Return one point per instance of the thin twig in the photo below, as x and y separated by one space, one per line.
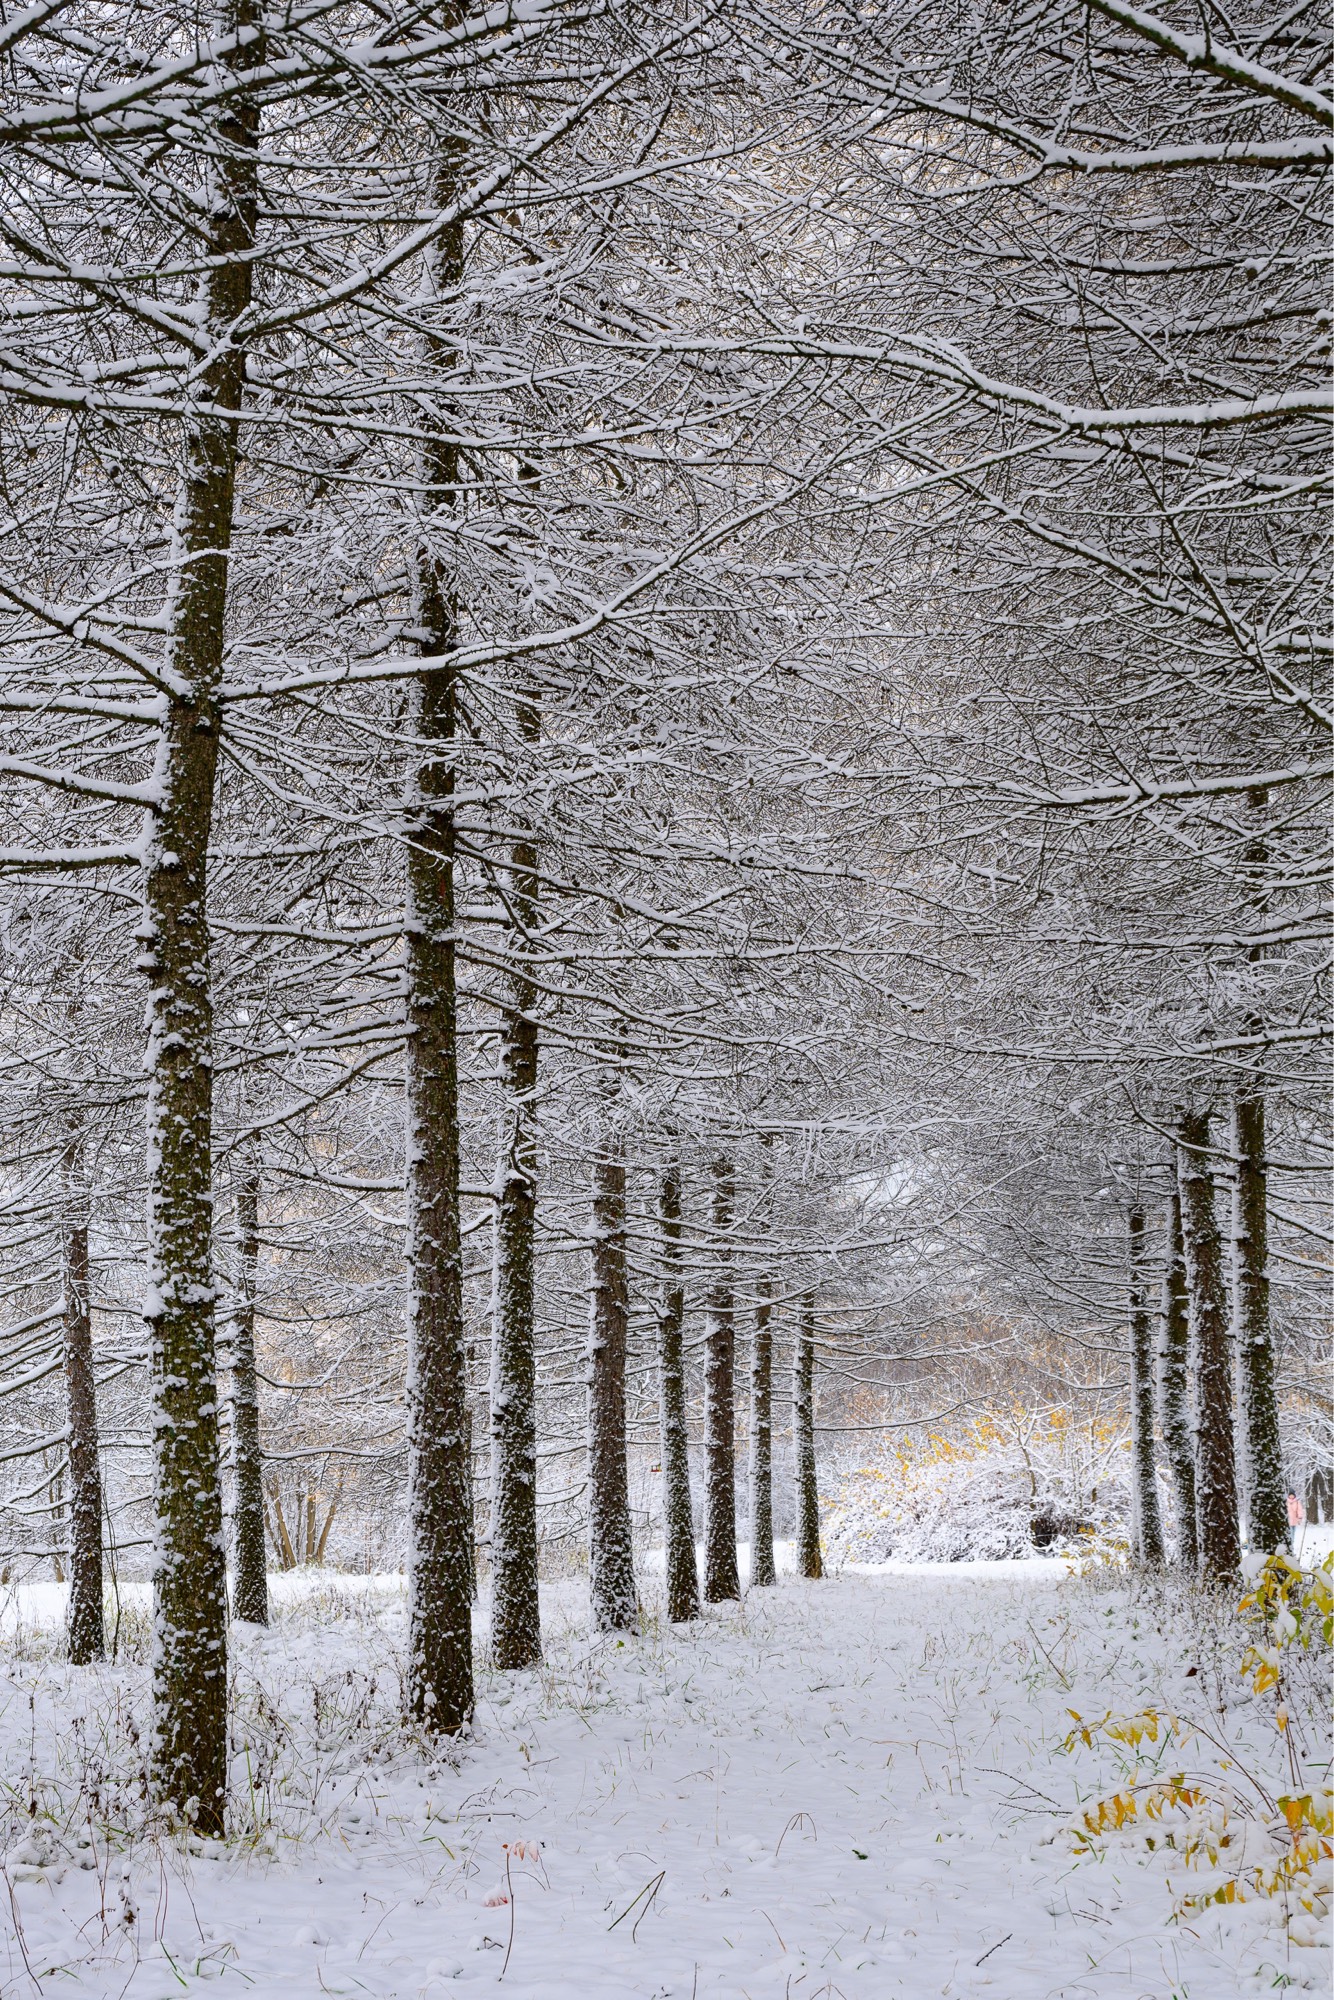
797 1819
650 1889
1062 1678
18 1928
509 1891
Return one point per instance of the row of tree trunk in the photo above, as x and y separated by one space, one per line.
611 1557
516 1624
1192 1388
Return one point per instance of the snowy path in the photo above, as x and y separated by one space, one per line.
845 1789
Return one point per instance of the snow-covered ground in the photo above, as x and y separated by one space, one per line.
852 1788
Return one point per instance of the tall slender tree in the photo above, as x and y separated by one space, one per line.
84 1623
611 1546
810 1563
1174 1381
678 1521
1266 1488
516 1620
762 1570
1216 1479
1148 1524
722 1578
1266 1495
440 1669
189 1750
250 1585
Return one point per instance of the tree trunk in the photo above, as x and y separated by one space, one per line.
189 1747
440 1437
722 1579
86 1637
809 1562
1216 1482
1267 1507
282 1540
440 1510
762 1570
323 1542
1148 1526
678 1522
516 1626
55 1513
611 1549
1265 1486
1175 1386
250 1585
516 1621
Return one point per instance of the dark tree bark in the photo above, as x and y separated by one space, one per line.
250 1583
84 1627
516 1622
722 1579
516 1626
611 1547
1266 1488
809 1560
762 1570
1178 1414
440 1434
1267 1508
440 1511
1148 1525
189 1745
678 1521
1216 1482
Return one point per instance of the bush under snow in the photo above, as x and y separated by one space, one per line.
1005 1485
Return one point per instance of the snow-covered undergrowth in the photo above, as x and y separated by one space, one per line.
999 1486
855 1788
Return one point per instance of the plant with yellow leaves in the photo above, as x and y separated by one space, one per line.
1293 1604
1244 1839
1008 1480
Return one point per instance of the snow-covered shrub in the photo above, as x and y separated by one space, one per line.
1006 1484
1227 1834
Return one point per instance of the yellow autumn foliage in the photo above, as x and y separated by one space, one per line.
1265 1847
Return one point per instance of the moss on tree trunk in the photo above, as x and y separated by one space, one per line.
250 1582
722 1579
809 1560
1148 1525
1175 1384
84 1623
678 1522
1216 1481
610 1545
